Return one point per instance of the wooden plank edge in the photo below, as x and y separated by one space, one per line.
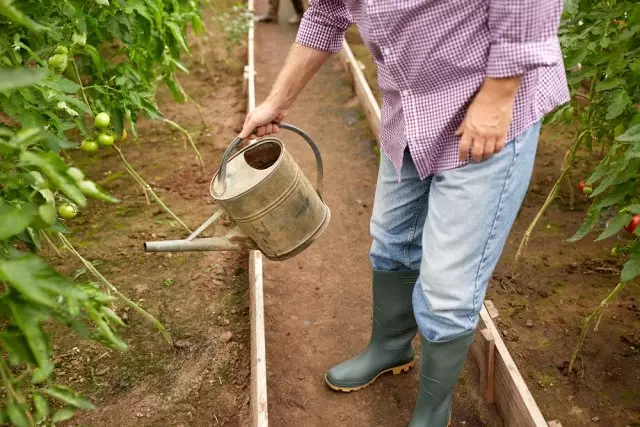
259 414
514 381
362 88
513 398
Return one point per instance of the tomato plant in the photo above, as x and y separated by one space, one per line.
601 45
73 74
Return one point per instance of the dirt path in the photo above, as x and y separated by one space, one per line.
318 304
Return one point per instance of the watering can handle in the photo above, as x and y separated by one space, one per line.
222 174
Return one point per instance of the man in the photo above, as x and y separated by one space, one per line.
272 12
465 85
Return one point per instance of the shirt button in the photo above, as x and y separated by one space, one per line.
405 92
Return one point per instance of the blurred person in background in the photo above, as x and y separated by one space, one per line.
272 12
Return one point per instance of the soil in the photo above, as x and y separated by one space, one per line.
318 304
556 284
201 298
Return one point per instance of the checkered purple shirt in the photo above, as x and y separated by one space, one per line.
432 57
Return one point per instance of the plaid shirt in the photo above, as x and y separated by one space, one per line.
432 57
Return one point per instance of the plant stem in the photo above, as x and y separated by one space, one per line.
84 95
566 166
188 135
115 290
148 188
53 245
198 109
8 380
587 321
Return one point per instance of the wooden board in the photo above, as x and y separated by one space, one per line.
259 409
483 351
258 399
514 400
362 89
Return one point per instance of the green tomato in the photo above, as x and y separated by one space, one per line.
614 251
106 139
568 114
47 213
587 190
76 174
62 50
102 120
89 146
67 211
58 62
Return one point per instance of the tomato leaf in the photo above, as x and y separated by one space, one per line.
55 169
631 269
634 209
590 221
631 135
16 345
15 15
41 406
176 32
63 414
14 78
618 103
14 219
61 84
70 397
608 84
614 226
17 415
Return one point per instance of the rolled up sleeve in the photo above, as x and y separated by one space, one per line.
523 36
323 25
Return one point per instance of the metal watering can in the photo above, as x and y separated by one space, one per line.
273 204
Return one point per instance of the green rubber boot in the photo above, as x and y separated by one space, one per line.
440 365
394 327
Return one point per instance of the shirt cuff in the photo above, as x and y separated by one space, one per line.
515 59
320 36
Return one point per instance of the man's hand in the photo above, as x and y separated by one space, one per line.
486 124
263 119
301 65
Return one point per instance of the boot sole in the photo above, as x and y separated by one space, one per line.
397 370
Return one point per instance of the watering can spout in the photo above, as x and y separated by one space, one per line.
202 244
234 240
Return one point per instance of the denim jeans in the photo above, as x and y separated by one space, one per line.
452 226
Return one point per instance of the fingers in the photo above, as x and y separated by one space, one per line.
489 148
246 127
478 149
465 145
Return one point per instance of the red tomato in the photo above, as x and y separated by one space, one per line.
633 224
581 186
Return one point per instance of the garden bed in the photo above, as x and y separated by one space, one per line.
201 298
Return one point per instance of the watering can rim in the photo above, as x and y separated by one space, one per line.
273 168
227 157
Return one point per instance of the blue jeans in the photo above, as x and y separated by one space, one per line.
452 226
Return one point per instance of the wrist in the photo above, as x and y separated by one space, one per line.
277 102
497 89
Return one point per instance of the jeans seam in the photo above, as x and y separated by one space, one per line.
412 229
492 233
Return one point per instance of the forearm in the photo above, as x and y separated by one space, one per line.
301 65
